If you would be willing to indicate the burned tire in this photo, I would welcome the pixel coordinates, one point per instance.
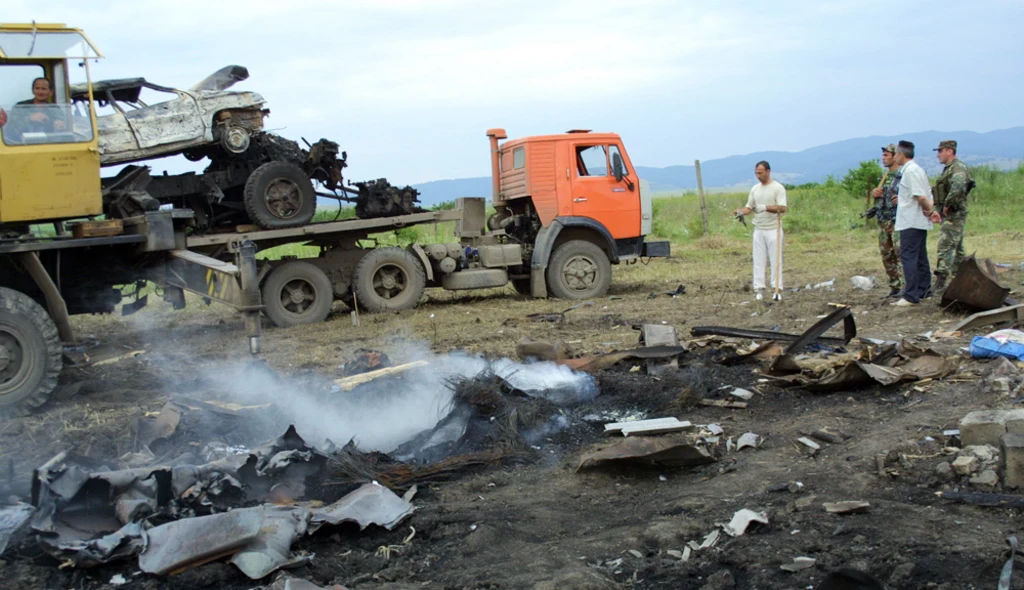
(578, 270)
(297, 293)
(30, 354)
(389, 279)
(279, 195)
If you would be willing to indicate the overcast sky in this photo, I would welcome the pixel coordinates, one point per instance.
(408, 87)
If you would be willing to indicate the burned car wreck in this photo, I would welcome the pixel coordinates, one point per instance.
(205, 115)
(252, 177)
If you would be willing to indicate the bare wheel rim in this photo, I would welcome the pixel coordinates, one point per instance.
(580, 273)
(283, 198)
(15, 366)
(298, 295)
(389, 281)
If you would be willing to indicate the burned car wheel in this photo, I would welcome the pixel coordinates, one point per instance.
(389, 279)
(297, 293)
(30, 353)
(279, 195)
(235, 139)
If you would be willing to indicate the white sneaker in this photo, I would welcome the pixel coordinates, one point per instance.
(776, 296)
(902, 303)
(758, 295)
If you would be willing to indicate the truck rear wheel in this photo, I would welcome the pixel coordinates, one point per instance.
(278, 195)
(297, 293)
(389, 279)
(579, 270)
(30, 354)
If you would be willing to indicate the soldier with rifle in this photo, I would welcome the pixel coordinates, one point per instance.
(950, 195)
(885, 212)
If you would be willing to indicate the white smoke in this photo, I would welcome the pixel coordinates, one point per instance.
(386, 413)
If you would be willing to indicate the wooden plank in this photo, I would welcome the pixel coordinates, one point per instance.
(350, 383)
(97, 229)
(653, 426)
(722, 403)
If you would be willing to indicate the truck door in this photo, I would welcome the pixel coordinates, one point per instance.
(597, 195)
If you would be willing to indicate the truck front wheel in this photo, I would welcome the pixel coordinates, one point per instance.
(389, 279)
(30, 354)
(279, 195)
(579, 270)
(297, 293)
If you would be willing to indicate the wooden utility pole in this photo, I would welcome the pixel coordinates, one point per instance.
(703, 203)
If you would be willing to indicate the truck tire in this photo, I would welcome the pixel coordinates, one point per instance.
(389, 279)
(279, 195)
(30, 354)
(297, 293)
(579, 269)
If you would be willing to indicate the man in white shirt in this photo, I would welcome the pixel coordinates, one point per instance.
(767, 201)
(913, 208)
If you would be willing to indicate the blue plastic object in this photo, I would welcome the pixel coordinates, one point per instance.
(983, 347)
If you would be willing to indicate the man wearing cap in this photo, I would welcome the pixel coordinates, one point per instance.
(888, 239)
(913, 221)
(950, 194)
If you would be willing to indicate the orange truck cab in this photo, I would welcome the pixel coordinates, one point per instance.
(563, 192)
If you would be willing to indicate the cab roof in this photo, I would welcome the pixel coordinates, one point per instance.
(28, 41)
(574, 135)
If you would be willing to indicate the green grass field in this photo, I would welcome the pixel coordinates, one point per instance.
(824, 221)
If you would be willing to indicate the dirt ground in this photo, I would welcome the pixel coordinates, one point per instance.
(544, 525)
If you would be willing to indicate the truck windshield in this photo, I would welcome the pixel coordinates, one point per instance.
(28, 114)
(45, 44)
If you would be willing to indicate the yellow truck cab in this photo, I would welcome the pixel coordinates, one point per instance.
(49, 161)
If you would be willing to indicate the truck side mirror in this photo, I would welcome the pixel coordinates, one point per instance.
(617, 167)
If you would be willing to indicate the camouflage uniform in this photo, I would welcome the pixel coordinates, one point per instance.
(888, 238)
(950, 195)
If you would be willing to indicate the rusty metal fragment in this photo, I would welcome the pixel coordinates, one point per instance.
(271, 549)
(654, 452)
(887, 365)
(975, 286)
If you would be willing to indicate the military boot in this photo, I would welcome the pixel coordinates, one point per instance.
(940, 284)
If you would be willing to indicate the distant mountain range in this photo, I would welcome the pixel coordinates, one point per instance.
(1001, 148)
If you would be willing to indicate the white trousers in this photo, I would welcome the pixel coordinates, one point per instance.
(765, 251)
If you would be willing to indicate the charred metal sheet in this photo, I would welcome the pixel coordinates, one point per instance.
(651, 452)
(271, 549)
(191, 542)
(1013, 313)
(13, 523)
(370, 504)
(975, 286)
(123, 543)
(821, 326)
(699, 331)
(884, 368)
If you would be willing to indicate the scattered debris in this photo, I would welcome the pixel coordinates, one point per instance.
(556, 317)
(119, 358)
(885, 365)
(984, 427)
(742, 520)
(722, 403)
(829, 285)
(364, 360)
(809, 443)
(1006, 574)
(13, 523)
(743, 394)
(655, 452)
(528, 348)
(828, 435)
(653, 426)
(965, 465)
(847, 507)
(863, 283)
(799, 563)
(655, 335)
(748, 439)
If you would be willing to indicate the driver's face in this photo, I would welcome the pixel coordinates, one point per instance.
(41, 91)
